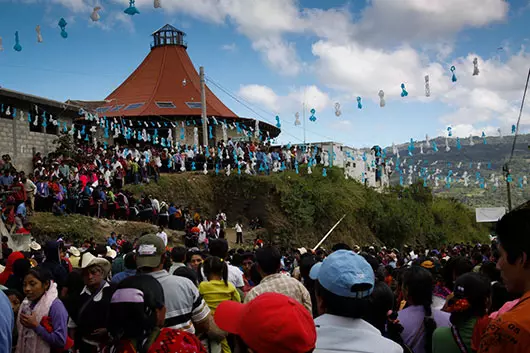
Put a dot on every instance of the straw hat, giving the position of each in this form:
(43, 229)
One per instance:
(74, 251)
(34, 246)
(89, 260)
(111, 253)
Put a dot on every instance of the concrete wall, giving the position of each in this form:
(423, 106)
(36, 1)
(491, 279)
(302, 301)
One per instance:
(20, 143)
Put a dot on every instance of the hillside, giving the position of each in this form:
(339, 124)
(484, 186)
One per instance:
(298, 210)
(491, 156)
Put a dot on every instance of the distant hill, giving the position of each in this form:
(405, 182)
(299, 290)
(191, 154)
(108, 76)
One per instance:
(491, 156)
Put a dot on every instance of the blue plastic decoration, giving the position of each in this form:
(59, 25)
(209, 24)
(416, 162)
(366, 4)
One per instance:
(187, 123)
(458, 144)
(324, 172)
(282, 168)
(17, 46)
(62, 24)
(132, 10)
(217, 169)
(44, 123)
(411, 147)
(509, 179)
(29, 117)
(514, 128)
(107, 133)
(238, 128)
(434, 146)
(182, 133)
(453, 72)
(401, 179)
(404, 92)
(65, 128)
(489, 165)
(450, 131)
(162, 141)
(296, 166)
(193, 166)
(239, 169)
(470, 165)
(484, 138)
(313, 118)
(210, 131)
(359, 103)
(481, 183)
(14, 115)
(207, 153)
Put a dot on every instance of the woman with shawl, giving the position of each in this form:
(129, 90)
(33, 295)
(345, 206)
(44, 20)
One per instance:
(42, 318)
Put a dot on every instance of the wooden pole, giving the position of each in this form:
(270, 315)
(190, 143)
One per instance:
(328, 233)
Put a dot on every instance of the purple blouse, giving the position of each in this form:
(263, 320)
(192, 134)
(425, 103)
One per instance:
(59, 319)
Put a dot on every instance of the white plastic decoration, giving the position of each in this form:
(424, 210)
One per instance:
(157, 4)
(95, 14)
(256, 129)
(427, 86)
(39, 35)
(1, 47)
(21, 115)
(225, 134)
(471, 142)
(476, 71)
(205, 169)
(427, 141)
(382, 101)
(500, 133)
(337, 109)
(196, 136)
(297, 119)
(8, 111)
(228, 169)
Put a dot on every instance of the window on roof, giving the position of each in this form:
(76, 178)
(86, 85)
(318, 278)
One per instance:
(194, 105)
(116, 108)
(133, 106)
(165, 105)
(102, 109)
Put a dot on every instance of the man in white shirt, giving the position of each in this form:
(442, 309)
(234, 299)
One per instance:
(345, 280)
(162, 235)
(239, 233)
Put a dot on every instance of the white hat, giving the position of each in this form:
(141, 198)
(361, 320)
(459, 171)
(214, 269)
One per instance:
(34, 246)
(89, 260)
(302, 251)
(74, 251)
(111, 253)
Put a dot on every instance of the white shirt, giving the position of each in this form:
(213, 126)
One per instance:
(162, 235)
(341, 334)
(155, 204)
(238, 228)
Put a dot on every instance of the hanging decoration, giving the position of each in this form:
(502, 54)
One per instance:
(324, 172)
(297, 119)
(449, 131)
(382, 101)
(278, 122)
(157, 4)
(514, 129)
(337, 109)
(132, 10)
(195, 136)
(427, 86)
(411, 147)
(453, 78)
(476, 71)
(62, 24)
(484, 137)
(471, 142)
(17, 46)
(404, 92)
(313, 118)
(500, 133)
(39, 35)
(95, 14)
(458, 144)
(359, 103)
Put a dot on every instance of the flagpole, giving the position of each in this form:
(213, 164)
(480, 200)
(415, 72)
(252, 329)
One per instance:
(328, 233)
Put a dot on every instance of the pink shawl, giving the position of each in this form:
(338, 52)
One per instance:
(28, 340)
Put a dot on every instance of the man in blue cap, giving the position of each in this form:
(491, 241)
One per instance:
(345, 281)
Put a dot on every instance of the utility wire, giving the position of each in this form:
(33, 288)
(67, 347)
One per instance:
(519, 119)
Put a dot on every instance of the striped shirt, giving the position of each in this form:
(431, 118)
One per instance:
(184, 304)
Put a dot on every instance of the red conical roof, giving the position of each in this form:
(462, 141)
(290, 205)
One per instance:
(157, 88)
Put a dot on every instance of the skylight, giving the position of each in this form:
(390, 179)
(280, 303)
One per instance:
(133, 106)
(194, 105)
(165, 105)
(102, 109)
(116, 108)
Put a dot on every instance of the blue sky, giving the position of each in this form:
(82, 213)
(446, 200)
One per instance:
(279, 54)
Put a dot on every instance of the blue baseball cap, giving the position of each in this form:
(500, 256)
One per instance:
(346, 274)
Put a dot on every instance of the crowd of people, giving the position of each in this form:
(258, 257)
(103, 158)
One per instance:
(142, 296)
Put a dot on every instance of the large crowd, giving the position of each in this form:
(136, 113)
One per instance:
(138, 295)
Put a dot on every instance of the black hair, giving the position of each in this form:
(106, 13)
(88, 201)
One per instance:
(190, 254)
(126, 247)
(478, 258)
(340, 246)
(21, 267)
(461, 266)
(381, 301)
(418, 283)
(477, 292)
(130, 261)
(218, 247)
(489, 269)
(188, 273)
(16, 293)
(136, 320)
(215, 266)
(511, 233)
(178, 254)
(5, 239)
(355, 308)
(269, 259)
(42, 274)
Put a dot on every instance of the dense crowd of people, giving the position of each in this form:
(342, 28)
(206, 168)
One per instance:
(142, 296)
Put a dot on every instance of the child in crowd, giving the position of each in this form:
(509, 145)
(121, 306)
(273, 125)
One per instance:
(217, 289)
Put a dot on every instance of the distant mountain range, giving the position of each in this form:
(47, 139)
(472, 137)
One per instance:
(490, 157)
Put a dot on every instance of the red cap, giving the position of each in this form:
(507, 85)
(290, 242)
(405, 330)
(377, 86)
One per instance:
(270, 323)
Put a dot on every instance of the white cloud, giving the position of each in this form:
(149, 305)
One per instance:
(229, 47)
(261, 95)
(280, 55)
